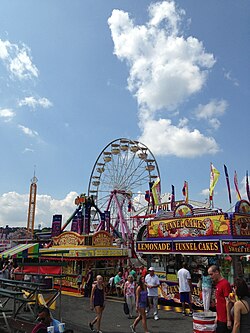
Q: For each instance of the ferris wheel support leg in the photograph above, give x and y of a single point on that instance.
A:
(123, 223)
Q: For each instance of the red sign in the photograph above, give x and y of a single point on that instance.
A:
(236, 247)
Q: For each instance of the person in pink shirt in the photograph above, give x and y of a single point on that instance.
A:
(129, 293)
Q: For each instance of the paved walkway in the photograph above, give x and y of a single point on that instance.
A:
(76, 314)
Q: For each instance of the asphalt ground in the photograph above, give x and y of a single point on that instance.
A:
(76, 313)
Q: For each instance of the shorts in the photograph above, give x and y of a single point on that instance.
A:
(184, 297)
(98, 304)
(222, 327)
(143, 305)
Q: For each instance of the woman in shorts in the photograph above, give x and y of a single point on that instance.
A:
(97, 299)
(141, 304)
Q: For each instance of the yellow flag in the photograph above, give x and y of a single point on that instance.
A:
(156, 191)
(214, 176)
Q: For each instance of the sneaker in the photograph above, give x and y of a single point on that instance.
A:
(183, 313)
(91, 326)
(156, 317)
(190, 314)
(132, 328)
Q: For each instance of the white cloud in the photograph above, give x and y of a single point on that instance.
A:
(183, 122)
(167, 139)
(14, 208)
(21, 65)
(7, 114)
(4, 45)
(213, 109)
(28, 150)
(17, 60)
(228, 76)
(205, 192)
(35, 102)
(214, 123)
(28, 131)
(165, 69)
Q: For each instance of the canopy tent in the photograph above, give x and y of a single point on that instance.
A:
(22, 251)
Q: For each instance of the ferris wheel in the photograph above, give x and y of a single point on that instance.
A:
(119, 179)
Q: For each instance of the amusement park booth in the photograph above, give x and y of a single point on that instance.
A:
(80, 252)
(201, 237)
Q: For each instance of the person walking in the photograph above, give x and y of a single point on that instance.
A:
(141, 304)
(132, 271)
(206, 286)
(79, 281)
(143, 271)
(185, 288)
(241, 307)
(152, 282)
(89, 282)
(223, 289)
(118, 281)
(129, 293)
(97, 300)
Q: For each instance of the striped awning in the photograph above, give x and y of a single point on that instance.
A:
(22, 251)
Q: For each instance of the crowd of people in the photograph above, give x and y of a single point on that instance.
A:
(139, 287)
(141, 296)
(140, 290)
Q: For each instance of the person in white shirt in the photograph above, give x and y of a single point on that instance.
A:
(152, 282)
(185, 287)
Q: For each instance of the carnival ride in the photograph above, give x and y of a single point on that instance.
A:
(122, 172)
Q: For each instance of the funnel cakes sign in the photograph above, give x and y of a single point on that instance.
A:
(193, 226)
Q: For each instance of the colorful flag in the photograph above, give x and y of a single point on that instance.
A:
(185, 191)
(247, 187)
(151, 195)
(172, 198)
(228, 185)
(156, 191)
(236, 186)
(147, 196)
(214, 176)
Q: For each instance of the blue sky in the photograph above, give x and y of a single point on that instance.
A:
(76, 75)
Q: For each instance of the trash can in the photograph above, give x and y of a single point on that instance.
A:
(204, 322)
(48, 282)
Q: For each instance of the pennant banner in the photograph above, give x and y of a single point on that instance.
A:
(236, 186)
(247, 187)
(172, 198)
(156, 191)
(185, 191)
(214, 176)
(228, 185)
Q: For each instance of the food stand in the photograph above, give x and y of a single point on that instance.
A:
(201, 237)
(81, 252)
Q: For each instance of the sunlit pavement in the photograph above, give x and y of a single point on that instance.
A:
(76, 314)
